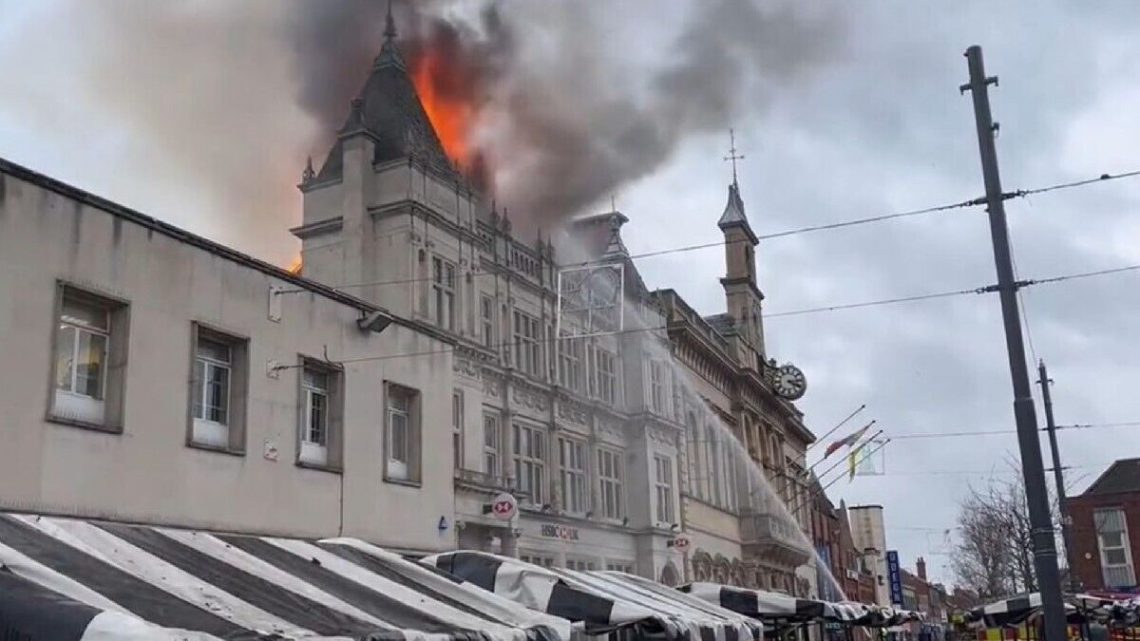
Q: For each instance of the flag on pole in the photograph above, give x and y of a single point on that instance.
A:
(853, 461)
(848, 440)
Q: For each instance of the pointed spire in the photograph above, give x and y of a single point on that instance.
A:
(308, 175)
(389, 25)
(389, 53)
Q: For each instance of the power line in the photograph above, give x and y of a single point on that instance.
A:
(974, 202)
(875, 303)
(958, 292)
(1084, 426)
(1021, 193)
(924, 435)
(920, 435)
(445, 350)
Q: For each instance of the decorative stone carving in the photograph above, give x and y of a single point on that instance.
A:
(659, 435)
(572, 412)
(529, 398)
(491, 386)
(465, 366)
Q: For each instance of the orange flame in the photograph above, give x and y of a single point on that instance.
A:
(450, 114)
(296, 265)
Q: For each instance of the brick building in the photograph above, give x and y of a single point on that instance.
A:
(1102, 518)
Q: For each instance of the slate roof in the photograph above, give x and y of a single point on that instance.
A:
(389, 109)
(1121, 476)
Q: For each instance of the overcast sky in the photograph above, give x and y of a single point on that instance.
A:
(878, 127)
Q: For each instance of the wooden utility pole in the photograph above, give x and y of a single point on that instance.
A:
(1058, 471)
(1032, 467)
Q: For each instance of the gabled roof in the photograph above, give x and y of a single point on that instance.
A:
(1121, 476)
(389, 110)
(734, 215)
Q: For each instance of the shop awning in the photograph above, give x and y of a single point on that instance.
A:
(67, 579)
(1079, 608)
(775, 607)
(599, 601)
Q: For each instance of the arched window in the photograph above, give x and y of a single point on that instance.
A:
(695, 452)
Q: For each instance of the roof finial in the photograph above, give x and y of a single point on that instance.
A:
(389, 24)
(308, 175)
(732, 155)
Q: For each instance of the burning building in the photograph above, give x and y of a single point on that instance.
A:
(611, 436)
(424, 372)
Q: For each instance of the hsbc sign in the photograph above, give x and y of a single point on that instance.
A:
(504, 507)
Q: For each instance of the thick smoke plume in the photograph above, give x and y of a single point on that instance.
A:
(231, 96)
(563, 118)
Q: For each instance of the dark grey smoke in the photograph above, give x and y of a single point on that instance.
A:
(231, 96)
(563, 124)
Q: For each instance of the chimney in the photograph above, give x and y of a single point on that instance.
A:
(920, 564)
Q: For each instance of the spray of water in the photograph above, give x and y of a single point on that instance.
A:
(753, 490)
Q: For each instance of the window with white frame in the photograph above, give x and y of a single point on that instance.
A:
(491, 444)
(83, 344)
(487, 320)
(530, 461)
(663, 483)
(572, 469)
(443, 292)
(657, 386)
(606, 376)
(610, 484)
(402, 433)
(528, 357)
(1114, 545)
(570, 363)
(320, 415)
(213, 367)
(218, 390)
(457, 428)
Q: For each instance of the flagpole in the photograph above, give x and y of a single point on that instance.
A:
(823, 488)
(865, 427)
(832, 430)
(840, 461)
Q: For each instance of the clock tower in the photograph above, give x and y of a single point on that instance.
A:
(742, 294)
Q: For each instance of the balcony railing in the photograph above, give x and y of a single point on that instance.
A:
(776, 535)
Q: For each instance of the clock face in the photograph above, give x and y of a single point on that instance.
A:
(790, 382)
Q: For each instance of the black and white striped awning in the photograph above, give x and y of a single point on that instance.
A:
(67, 579)
(759, 604)
(704, 620)
(775, 607)
(599, 601)
(1079, 608)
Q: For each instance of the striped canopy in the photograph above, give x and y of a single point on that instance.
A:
(1079, 608)
(775, 607)
(599, 601)
(67, 579)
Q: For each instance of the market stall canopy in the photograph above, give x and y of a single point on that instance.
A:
(1079, 608)
(775, 607)
(600, 601)
(67, 579)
